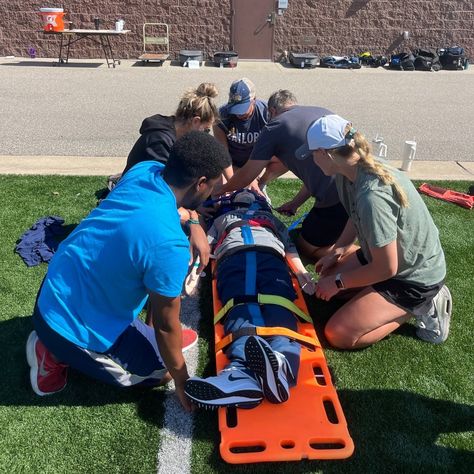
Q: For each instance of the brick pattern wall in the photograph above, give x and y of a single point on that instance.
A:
(346, 26)
(322, 26)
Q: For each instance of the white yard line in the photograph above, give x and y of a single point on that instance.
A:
(174, 455)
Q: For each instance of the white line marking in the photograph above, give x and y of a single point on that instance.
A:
(174, 455)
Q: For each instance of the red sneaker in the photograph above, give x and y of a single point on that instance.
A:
(46, 375)
(190, 338)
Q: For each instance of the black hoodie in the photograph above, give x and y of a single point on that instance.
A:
(158, 135)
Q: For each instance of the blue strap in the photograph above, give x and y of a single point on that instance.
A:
(255, 314)
(246, 232)
(295, 224)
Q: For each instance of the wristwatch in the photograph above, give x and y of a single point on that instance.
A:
(339, 282)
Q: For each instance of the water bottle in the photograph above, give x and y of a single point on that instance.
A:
(380, 148)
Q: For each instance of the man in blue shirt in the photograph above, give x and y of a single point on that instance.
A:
(129, 250)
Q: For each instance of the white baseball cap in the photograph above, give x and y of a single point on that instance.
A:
(327, 132)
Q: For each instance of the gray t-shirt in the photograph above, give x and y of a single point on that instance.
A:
(379, 220)
(282, 136)
(271, 233)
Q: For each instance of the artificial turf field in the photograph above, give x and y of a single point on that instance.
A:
(408, 404)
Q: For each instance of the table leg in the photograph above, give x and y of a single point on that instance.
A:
(109, 44)
(60, 58)
(104, 48)
(68, 46)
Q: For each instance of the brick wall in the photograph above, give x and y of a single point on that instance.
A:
(345, 26)
(322, 26)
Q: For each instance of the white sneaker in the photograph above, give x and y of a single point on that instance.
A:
(231, 388)
(435, 328)
(270, 367)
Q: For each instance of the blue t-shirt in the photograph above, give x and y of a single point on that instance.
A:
(242, 134)
(98, 280)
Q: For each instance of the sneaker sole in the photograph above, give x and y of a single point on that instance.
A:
(263, 362)
(206, 395)
(444, 308)
(32, 362)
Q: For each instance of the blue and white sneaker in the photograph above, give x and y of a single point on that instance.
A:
(270, 367)
(434, 328)
(231, 388)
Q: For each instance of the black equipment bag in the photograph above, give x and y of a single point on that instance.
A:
(186, 55)
(452, 58)
(303, 60)
(340, 62)
(402, 62)
(226, 58)
(426, 60)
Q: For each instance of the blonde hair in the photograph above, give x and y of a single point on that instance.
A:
(198, 103)
(362, 147)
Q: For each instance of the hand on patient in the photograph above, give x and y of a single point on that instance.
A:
(306, 282)
(324, 264)
(288, 209)
(326, 288)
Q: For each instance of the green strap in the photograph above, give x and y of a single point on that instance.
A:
(263, 299)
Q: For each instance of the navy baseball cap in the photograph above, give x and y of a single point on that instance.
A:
(241, 93)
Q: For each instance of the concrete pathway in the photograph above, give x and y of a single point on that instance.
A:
(104, 166)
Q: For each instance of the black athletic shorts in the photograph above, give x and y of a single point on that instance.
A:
(323, 225)
(413, 298)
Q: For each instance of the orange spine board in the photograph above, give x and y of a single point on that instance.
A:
(310, 425)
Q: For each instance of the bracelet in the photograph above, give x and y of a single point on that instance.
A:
(192, 221)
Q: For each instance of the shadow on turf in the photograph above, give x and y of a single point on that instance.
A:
(393, 431)
(80, 391)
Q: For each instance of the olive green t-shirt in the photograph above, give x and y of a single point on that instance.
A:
(379, 220)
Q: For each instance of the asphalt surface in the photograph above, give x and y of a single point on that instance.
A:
(86, 109)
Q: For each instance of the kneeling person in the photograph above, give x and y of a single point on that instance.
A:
(115, 260)
(250, 247)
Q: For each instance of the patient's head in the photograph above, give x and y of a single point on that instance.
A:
(245, 197)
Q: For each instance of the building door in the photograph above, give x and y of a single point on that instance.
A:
(252, 28)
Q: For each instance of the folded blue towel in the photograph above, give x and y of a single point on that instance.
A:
(39, 243)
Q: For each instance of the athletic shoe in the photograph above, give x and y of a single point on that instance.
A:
(270, 367)
(46, 375)
(231, 388)
(189, 340)
(435, 328)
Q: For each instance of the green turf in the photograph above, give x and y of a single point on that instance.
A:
(408, 404)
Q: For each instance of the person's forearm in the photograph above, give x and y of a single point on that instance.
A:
(165, 315)
(301, 197)
(228, 173)
(169, 341)
(366, 275)
(384, 265)
(243, 176)
(348, 236)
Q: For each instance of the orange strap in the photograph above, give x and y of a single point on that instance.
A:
(309, 342)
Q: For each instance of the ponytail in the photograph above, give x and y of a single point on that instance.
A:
(361, 146)
(198, 103)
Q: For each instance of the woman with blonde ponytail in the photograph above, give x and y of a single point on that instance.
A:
(399, 269)
(196, 111)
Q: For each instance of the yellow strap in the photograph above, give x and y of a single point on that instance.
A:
(263, 331)
(265, 299)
